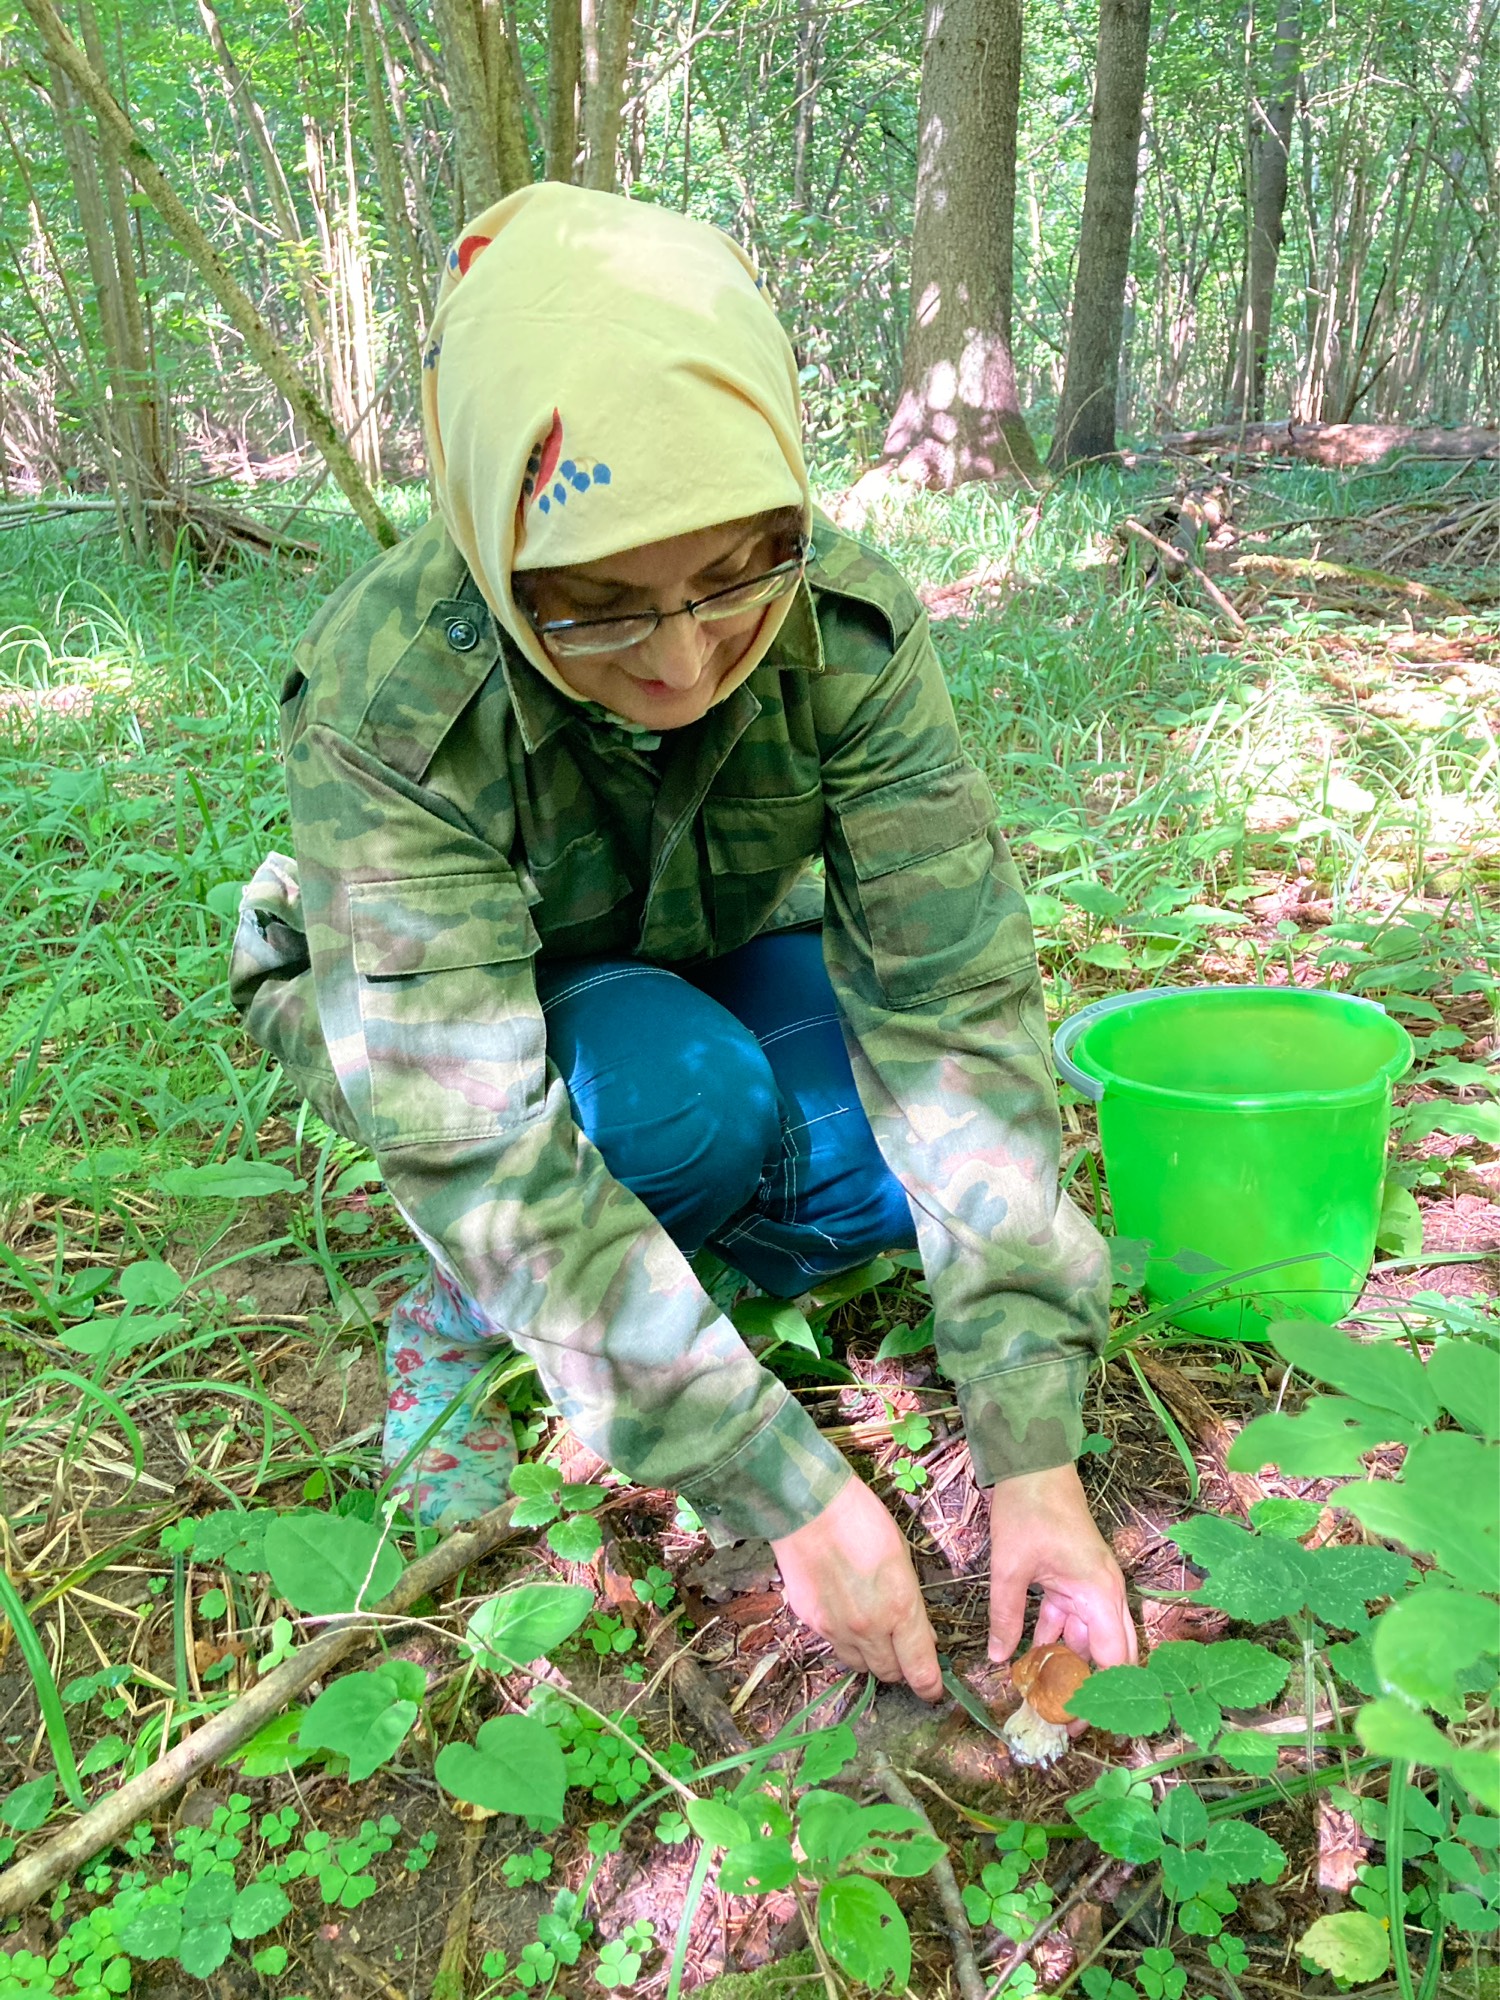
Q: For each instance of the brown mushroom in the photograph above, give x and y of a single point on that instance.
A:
(1046, 1678)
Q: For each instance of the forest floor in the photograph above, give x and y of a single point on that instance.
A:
(1250, 738)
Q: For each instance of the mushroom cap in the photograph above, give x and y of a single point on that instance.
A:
(1048, 1677)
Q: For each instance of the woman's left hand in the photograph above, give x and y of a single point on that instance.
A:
(1041, 1532)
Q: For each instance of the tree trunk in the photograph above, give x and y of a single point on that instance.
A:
(1086, 418)
(265, 348)
(607, 27)
(400, 237)
(564, 68)
(484, 94)
(958, 416)
(1270, 158)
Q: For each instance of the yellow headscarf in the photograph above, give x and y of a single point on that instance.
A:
(601, 374)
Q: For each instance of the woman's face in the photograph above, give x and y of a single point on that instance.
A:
(670, 679)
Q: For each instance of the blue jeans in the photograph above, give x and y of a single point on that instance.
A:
(724, 1099)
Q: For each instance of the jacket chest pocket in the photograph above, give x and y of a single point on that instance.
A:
(453, 1033)
(584, 899)
(938, 891)
(756, 848)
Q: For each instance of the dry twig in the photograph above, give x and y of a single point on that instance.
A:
(1177, 561)
(115, 1815)
(949, 1899)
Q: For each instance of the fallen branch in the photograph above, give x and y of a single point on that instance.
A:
(950, 1901)
(1315, 571)
(114, 1816)
(1177, 562)
(1048, 1925)
(1337, 444)
(449, 1983)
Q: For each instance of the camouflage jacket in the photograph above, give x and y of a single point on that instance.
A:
(454, 817)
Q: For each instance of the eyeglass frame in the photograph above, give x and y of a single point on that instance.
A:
(793, 567)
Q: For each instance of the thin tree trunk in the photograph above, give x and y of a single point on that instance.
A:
(264, 347)
(400, 243)
(607, 27)
(564, 69)
(484, 93)
(1270, 161)
(1086, 419)
(958, 416)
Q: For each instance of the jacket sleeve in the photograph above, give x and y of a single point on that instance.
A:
(421, 944)
(930, 952)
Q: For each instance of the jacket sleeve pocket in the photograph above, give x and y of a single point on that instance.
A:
(453, 1032)
(940, 898)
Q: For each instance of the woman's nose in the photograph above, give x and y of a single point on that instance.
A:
(680, 649)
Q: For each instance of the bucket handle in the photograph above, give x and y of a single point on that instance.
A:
(1069, 1031)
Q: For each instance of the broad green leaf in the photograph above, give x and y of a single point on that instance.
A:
(26, 1808)
(118, 1334)
(536, 1477)
(1127, 1700)
(229, 1180)
(323, 1563)
(1354, 1946)
(1379, 1373)
(1466, 1376)
(1248, 1750)
(756, 1867)
(863, 1930)
(1341, 1581)
(154, 1932)
(1236, 1672)
(1446, 1503)
(259, 1907)
(1478, 1771)
(1266, 1580)
(524, 1624)
(148, 1284)
(828, 1826)
(1109, 957)
(1125, 1828)
(1199, 1715)
(102, 1755)
(828, 1754)
(514, 1765)
(577, 1539)
(273, 1748)
(204, 1948)
(1183, 1818)
(1288, 1520)
(775, 1321)
(1186, 1871)
(893, 1841)
(209, 1898)
(1207, 1539)
(1422, 1644)
(1325, 1439)
(365, 1717)
(1391, 1727)
(902, 1340)
(1400, 1227)
(1094, 898)
(830, 1292)
(1240, 1852)
(1465, 1121)
(720, 1825)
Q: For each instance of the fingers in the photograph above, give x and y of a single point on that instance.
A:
(916, 1655)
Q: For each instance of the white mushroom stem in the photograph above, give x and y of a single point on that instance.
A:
(1031, 1739)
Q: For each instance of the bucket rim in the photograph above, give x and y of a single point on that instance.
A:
(1071, 1031)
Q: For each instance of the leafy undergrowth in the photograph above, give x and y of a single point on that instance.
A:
(646, 1772)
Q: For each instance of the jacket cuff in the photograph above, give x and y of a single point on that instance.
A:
(776, 1483)
(1024, 1419)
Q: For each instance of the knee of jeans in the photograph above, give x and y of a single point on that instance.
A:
(874, 1214)
(701, 1161)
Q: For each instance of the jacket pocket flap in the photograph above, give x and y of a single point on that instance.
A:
(439, 924)
(910, 820)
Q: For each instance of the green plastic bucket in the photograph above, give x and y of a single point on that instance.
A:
(1244, 1131)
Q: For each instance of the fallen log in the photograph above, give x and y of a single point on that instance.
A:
(1336, 444)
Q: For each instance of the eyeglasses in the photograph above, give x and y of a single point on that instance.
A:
(574, 638)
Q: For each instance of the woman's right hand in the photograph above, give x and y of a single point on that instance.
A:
(849, 1577)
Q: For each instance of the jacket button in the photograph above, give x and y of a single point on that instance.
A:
(463, 635)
